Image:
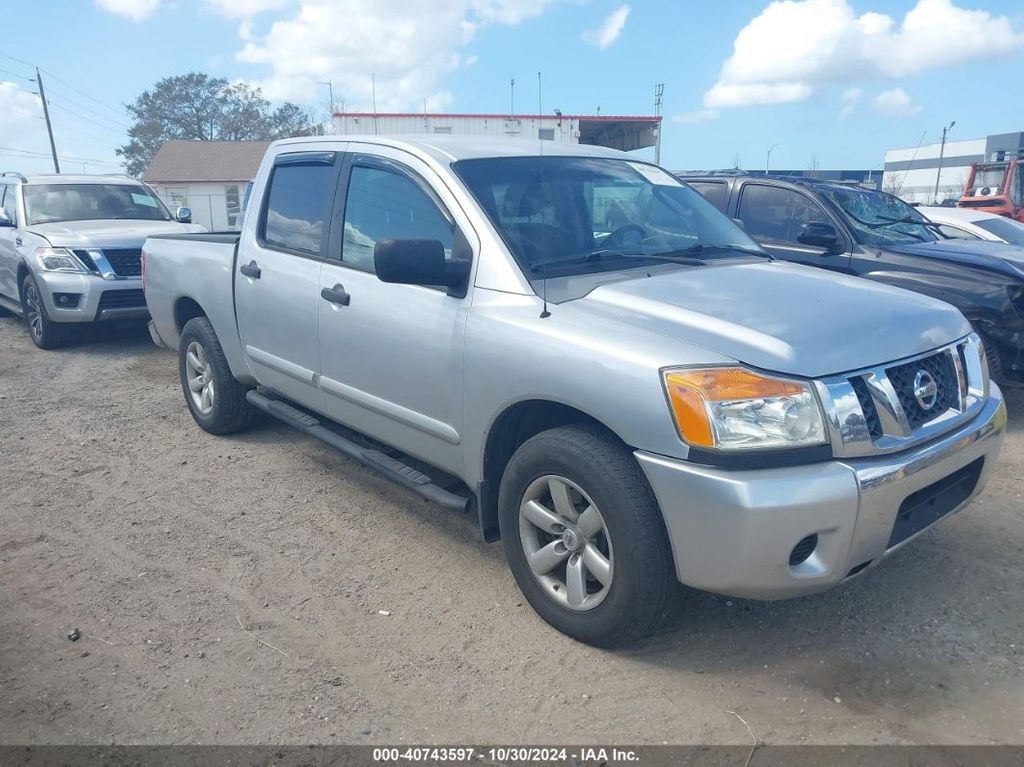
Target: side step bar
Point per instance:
(390, 467)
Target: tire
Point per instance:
(44, 332)
(599, 471)
(218, 405)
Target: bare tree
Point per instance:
(737, 162)
(813, 166)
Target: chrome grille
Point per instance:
(942, 371)
(903, 403)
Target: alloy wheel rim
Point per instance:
(199, 376)
(566, 542)
(35, 317)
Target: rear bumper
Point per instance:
(91, 298)
(732, 532)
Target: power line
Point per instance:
(109, 127)
(19, 76)
(65, 83)
(31, 154)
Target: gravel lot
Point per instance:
(119, 517)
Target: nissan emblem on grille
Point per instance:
(926, 391)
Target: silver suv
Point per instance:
(70, 249)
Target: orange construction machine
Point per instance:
(996, 187)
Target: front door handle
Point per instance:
(335, 295)
(251, 270)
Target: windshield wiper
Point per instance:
(884, 221)
(700, 247)
(602, 254)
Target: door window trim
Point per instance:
(301, 158)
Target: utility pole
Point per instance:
(373, 86)
(46, 115)
(942, 153)
(768, 159)
(659, 93)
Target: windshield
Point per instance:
(1006, 229)
(879, 218)
(47, 203)
(577, 215)
(988, 181)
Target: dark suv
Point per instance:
(876, 235)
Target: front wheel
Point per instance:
(216, 400)
(584, 536)
(44, 332)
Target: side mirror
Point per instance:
(410, 261)
(818, 233)
(183, 215)
(5, 220)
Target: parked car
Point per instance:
(70, 250)
(619, 383)
(969, 224)
(873, 234)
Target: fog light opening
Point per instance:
(803, 550)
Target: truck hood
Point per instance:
(781, 317)
(107, 234)
(993, 256)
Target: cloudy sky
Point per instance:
(838, 81)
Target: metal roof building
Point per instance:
(624, 132)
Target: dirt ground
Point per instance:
(120, 518)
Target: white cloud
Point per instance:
(20, 123)
(794, 46)
(850, 99)
(408, 46)
(605, 34)
(896, 103)
(697, 116)
(136, 10)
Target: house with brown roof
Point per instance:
(208, 176)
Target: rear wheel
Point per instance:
(215, 399)
(584, 536)
(44, 332)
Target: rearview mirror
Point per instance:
(183, 215)
(409, 261)
(818, 233)
(5, 220)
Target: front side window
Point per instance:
(579, 215)
(880, 218)
(956, 233)
(777, 214)
(298, 203)
(384, 204)
(49, 203)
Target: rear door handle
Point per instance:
(335, 295)
(251, 270)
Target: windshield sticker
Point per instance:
(654, 174)
(143, 199)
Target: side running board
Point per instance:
(387, 465)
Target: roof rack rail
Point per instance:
(14, 173)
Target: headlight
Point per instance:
(736, 409)
(59, 260)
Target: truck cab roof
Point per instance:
(449, 149)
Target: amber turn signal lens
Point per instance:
(690, 390)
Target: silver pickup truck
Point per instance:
(577, 347)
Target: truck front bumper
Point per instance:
(89, 298)
(734, 532)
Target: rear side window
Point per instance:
(298, 206)
(383, 204)
(713, 192)
(956, 233)
(776, 214)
